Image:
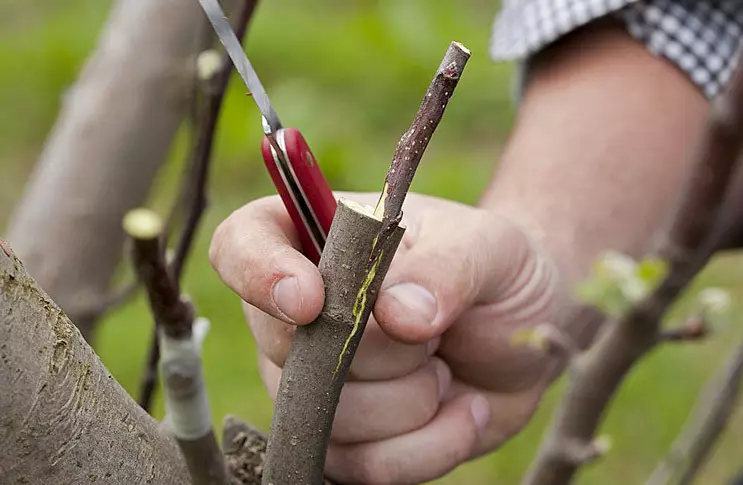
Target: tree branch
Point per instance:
(694, 235)
(712, 411)
(141, 70)
(187, 407)
(360, 246)
(212, 82)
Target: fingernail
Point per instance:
(417, 301)
(480, 410)
(444, 377)
(287, 297)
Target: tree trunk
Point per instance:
(64, 418)
(113, 134)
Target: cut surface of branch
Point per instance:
(414, 141)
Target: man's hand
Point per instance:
(436, 380)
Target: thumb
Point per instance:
(455, 260)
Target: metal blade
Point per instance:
(234, 49)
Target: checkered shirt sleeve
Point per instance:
(700, 37)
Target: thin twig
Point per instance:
(712, 411)
(360, 246)
(187, 407)
(413, 143)
(193, 195)
(694, 236)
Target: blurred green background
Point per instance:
(350, 75)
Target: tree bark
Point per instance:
(64, 418)
(113, 134)
(322, 351)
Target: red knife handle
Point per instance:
(303, 189)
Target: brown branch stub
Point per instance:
(322, 351)
(213, 75)
(414, 141)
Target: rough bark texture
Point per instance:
(114, 132)
(64, 418)
(321, 353)
(695, 234)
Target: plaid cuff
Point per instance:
(700, 37)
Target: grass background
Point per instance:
(350, 75)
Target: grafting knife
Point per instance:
(292, 166)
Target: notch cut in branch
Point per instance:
(360, 246)
(413, 143)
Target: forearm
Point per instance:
(597, 158)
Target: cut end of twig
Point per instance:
(361, 208)
(454, 60)
(143, 224)
(578, 453)
(208, 64)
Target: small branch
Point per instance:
(694, 236)
(187, 407)
(414, 141)
(172, 314)
(148, 381)
(694, 329)
(711, 414)
(360, 246)
(212, 81)
(213, 88)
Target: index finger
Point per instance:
(255, 252)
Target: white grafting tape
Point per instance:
(189, 418)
